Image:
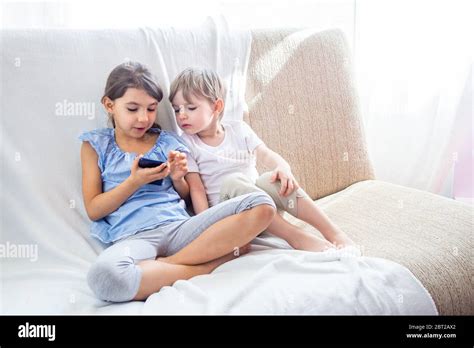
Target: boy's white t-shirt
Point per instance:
(236, 154)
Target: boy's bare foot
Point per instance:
(310, 242)
(342, 240)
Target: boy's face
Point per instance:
(134, 112)
(194, 116)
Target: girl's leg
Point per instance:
(221, 229)
(128, 270)
(115, 275)
(157, 273)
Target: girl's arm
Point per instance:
(198, 192)
(281, 169)
(99, 204)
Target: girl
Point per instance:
(224, 155)
(143, 220)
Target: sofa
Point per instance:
(302, 102)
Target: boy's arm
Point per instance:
(281, 169)
(182, 187)
(271, 159)
(267, 157)
(198, 192)
(178, 170)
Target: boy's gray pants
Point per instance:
(238, 184)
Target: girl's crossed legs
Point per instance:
(129, 270)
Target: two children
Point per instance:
(154, 241)
(223, 161)
(144, 220)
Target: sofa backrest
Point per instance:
(302, 103)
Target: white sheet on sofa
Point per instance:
(279, 281)
(274, 280)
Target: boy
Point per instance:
(223, 161)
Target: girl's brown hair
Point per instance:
(131, 75)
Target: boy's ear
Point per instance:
(108, 104)
(219, 106)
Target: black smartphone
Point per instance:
(148, 163)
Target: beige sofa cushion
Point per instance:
(302, 103)
(429, 234)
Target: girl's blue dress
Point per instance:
(151, 205)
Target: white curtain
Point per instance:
(413, 60)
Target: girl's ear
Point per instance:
(219, 106)
(108, 104)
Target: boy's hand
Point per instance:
(178, 165)
(143, 176)
(288, 181)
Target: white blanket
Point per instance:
(46, 248)
(279, 281)
(271, 279)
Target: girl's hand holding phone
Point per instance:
(142, 176)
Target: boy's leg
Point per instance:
(298, 238)
(301, 206)
(309, 212)
(238, 184)
(221, 229)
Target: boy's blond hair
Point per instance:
(203, 83)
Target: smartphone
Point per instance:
(148, 163)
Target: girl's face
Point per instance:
(196, 116)
(134, 113)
